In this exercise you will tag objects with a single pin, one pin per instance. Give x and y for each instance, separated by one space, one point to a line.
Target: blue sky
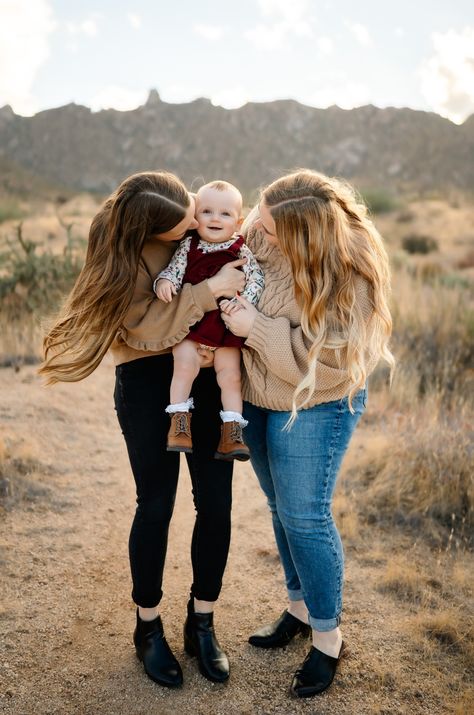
411 53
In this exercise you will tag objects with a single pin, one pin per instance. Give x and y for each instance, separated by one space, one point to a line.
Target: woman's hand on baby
165 290
240 321
229 280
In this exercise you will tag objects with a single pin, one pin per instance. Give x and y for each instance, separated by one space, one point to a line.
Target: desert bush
455 281
33 282
379 200
402 579
433 340
19 476
418 243
10 210
428 271
467 261
406 216
451 629
424 476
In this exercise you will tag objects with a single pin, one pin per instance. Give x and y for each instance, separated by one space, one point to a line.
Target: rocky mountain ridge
394 149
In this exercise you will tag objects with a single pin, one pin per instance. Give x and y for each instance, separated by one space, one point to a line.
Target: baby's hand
230 306
165 290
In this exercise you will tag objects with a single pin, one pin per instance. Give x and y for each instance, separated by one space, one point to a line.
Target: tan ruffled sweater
275 354
152 327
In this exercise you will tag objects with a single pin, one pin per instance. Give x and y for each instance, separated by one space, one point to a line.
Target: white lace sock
180 406
228 416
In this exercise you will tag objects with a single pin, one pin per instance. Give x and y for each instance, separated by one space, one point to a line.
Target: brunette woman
112 305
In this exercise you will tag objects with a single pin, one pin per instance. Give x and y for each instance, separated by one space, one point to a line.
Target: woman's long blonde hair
143 205
329 240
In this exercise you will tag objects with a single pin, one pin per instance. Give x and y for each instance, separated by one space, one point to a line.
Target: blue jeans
297 470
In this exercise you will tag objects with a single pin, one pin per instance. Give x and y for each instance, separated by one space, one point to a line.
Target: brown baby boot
179 435
231 444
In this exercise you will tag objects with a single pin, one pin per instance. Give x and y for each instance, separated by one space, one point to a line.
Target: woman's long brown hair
143 205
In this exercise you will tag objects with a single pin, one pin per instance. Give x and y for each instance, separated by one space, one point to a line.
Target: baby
218 213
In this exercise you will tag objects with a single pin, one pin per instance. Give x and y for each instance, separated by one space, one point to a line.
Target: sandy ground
66 616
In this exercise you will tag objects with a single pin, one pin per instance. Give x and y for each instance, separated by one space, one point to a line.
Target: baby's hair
220 185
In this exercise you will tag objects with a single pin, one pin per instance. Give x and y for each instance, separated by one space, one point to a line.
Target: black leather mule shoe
280 632
152 649
316 674
200 641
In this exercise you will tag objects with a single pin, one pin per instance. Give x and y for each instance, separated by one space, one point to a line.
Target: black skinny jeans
141 395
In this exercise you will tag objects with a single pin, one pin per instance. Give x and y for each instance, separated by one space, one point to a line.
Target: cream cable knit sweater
275 354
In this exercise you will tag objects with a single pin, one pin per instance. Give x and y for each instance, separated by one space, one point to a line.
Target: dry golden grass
19 470
450 223
445 641
465 704
20 342
347 518
403 579
427 475
45 223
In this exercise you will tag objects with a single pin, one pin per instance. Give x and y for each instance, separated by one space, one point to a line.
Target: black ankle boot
316 673
158 660
279 633
200 640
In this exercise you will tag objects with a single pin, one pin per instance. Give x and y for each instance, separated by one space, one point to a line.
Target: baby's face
218 214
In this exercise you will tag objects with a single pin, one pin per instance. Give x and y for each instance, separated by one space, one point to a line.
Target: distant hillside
400 149
23 183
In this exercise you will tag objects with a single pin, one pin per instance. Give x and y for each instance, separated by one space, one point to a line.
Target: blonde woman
113 305
321 326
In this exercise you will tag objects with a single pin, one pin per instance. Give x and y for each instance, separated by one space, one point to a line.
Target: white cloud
87 27
24 47
290 12
361 34
230 98
267 37
209 32
115 97
134 20
447 78
346 95
286 20
325 45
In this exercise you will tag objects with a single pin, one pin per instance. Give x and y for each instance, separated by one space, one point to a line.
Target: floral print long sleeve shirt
176 268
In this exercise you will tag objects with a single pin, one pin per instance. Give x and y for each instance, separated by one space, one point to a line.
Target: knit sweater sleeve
151 324
284 348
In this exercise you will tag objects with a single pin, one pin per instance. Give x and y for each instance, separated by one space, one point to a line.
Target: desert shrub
406 216
467 261
398 260
418 243
433 340
33 282
426 475
402 578
429 271
10 210
20 476
379 200
455 281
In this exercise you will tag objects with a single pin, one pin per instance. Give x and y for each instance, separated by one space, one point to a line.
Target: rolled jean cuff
295 594
324 624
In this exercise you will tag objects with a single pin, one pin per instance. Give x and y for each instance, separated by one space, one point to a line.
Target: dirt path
66 616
